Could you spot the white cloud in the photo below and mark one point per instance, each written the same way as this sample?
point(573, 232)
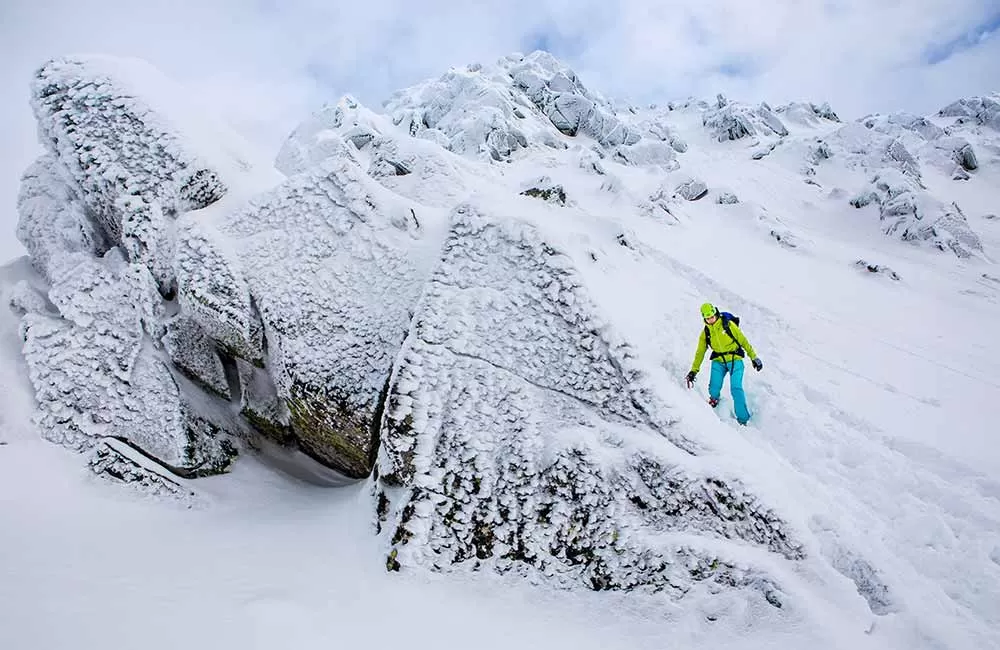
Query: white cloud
point(267, 63)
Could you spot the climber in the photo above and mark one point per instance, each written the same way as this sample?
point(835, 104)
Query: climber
point(729, 346)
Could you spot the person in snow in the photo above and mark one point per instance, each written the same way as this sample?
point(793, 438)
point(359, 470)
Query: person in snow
point(729, 346)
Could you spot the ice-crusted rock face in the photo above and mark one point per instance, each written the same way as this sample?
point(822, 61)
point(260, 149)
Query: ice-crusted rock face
point(132, 172)
point(983, 111)
point(733, 121)
point(910, 213)
point(330, 260)
point(534, 100)
point(418, 169)
point(807, 113)
point(545, 454)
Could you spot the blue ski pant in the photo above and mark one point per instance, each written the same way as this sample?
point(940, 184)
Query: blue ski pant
point(719, 370)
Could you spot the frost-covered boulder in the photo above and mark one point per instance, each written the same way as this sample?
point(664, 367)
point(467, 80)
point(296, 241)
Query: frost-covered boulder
point(53, 224)
point(332, 261)
point(128, 165)
point(870, 148)
point(492, 112)
point(893, 123)
point(726, 198)
point(519, 436)
point(326, 134)
point(807, 113)
point(195, 354)
point(470, 111)
point(417, 168)
point(909, 212)
point(692, 189)
point(96, 373)
point(546, 189)
point(557, 91)
point(984, 111)
point(732, 121)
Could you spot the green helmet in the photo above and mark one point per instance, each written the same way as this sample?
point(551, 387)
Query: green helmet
point(708, 309)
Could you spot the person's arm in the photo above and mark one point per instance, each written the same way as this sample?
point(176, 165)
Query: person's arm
point(699, 356)
point(742, 340)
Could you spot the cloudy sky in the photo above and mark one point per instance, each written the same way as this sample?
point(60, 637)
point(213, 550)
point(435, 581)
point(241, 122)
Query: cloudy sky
point(267, 63)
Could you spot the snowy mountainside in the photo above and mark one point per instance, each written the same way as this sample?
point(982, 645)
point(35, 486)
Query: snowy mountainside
point(481, 304)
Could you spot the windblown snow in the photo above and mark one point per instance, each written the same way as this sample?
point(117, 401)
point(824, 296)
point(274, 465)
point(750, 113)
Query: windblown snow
point(475, 310)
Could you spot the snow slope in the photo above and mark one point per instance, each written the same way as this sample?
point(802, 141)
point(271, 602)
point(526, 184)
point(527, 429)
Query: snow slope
point(870, 442)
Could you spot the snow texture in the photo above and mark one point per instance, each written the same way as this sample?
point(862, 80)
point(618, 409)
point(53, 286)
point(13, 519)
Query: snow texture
point(520, 436)
point(132, 172)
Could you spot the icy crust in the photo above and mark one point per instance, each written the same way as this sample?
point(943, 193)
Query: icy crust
point(517, 437)
point(909, 212)
point(733, 121)
point(132, 172)
point(53, 224)
point(96, 373)
point(329, 259)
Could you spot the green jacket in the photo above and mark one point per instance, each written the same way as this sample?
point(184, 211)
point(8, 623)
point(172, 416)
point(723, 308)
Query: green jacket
point(722, 343)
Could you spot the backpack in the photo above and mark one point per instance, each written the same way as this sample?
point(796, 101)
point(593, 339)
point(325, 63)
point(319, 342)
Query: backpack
point(726, 319)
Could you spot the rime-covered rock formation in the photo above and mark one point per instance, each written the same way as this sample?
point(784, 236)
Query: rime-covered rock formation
point(395, 309)
point(521, 102)
point(545, 454)
point(334, 269)
point(733, 121)
point(910, 213)
point(133, 173)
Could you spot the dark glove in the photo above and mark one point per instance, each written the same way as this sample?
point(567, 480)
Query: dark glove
point(758, 364)
point(690, 378)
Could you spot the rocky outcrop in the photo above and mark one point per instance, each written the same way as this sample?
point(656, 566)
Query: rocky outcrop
point(131, 172)
point(332, 262)
point(907, 211)
point(733, 121)
point(519, 437)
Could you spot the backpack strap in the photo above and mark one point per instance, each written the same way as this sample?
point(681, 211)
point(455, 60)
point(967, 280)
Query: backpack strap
point(739, 352)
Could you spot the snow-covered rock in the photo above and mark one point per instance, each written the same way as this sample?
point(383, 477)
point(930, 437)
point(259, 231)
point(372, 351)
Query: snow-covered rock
point(807, 113)
point(131, 170)
point(329, 258)
point(519, 436)
point(413, 167)
point(733, 121)
point(909, 212)
point(692, 189)
point(492, 112)
point(983, 111)
point(96, 373)
point(546, 189)
point(53, 224)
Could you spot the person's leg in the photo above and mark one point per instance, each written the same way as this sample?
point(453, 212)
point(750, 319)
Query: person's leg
point(739, 397)
point(715, 383)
